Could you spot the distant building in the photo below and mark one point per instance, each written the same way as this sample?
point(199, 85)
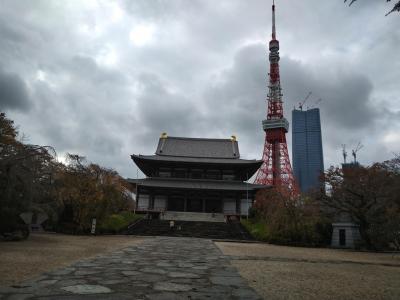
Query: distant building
point(307, 154)
point(346, 233)
point(195, 179)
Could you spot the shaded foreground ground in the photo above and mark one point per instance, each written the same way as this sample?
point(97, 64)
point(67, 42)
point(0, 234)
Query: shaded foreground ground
point(157, 268)
point(122, 267)
point(279, 272)
point(45, 252)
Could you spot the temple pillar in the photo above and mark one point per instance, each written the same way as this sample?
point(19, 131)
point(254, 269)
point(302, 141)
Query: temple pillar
point(151, 200)
point(137, 198)
point(238, 204)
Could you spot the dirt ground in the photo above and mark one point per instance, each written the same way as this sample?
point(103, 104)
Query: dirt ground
point(279, 272)
point(46, 251)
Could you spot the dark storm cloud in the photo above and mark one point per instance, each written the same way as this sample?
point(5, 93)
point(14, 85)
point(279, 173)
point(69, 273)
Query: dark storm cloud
point(345, 94)
point(9, 33)
point(236, 98)
point(13, 93)
point(80, 115)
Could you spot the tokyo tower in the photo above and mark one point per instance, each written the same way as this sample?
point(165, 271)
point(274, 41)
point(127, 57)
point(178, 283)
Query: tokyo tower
point(276, 169)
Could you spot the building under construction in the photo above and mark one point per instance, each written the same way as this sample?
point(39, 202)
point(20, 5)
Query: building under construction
point(307, 152)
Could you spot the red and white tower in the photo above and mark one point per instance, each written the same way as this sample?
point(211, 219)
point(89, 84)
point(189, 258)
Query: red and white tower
point(276, 169)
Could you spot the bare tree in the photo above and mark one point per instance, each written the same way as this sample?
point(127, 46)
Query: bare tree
point(291, 220)
point(396, 7)
point(370, 196)
point(26, 173)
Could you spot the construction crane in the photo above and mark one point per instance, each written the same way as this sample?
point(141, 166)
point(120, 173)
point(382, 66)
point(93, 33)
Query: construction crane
point(344, 152)
point(354, 152)
point(315, 103)
point(301, 104)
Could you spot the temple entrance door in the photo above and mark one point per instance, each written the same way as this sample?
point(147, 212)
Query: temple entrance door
point(342, 237)
point(213, 205)
point(176, 203)
point(194, 205)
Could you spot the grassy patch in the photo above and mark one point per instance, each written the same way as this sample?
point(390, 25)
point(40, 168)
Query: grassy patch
point(257, 228)
point(313, 234)
point(117, 222)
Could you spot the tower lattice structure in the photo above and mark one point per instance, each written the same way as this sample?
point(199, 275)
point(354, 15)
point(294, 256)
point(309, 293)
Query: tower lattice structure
point(276, 169)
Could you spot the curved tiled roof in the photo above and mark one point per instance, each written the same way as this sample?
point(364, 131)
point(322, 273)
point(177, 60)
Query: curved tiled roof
point(197, 152)
point(198, 147)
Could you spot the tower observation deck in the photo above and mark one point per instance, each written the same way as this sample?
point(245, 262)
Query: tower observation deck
point(276, 169)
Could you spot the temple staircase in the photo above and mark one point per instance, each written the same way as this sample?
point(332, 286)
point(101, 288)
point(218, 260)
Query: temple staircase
point(213, 230)
point(192, 216)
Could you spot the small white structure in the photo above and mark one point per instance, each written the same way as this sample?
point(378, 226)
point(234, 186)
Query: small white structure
point(345, 235)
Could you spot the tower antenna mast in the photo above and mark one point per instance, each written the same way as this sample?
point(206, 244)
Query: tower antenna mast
point(273, 21)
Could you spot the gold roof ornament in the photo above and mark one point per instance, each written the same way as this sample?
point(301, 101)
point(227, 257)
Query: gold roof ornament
point(164, 135)
point(233, 138)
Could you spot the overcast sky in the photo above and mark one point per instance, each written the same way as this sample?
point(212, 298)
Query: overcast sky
point(104, 78)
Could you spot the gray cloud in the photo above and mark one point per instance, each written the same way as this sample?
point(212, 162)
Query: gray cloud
point(13, 92)
point(161, 110)
point(84, 87)
point(346, 95)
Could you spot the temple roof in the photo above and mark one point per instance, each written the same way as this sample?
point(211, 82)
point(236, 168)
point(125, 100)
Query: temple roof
point(198, 147)
point(199, 184)
point(149, 163)
point(181, 152)
point(160, 158)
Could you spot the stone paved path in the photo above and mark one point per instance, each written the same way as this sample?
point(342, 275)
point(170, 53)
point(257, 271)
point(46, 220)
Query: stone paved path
point(159, 268)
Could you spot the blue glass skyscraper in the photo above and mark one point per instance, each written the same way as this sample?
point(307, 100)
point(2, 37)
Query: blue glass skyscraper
point(307, 154)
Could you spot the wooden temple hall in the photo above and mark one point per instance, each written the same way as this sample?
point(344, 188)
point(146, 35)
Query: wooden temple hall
point(195, 175)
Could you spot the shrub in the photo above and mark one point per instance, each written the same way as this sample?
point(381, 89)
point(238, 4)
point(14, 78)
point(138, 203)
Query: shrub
point(130, 217)
point(257, 228)
point(116, 223)
point(113, 224)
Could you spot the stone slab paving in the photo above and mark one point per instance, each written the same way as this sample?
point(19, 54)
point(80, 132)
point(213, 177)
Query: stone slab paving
point(159, 268)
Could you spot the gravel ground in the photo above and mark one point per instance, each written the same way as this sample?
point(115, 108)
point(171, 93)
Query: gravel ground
point(279, 272)
point(301, 280)
point(273, 251)
point(45, 252)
